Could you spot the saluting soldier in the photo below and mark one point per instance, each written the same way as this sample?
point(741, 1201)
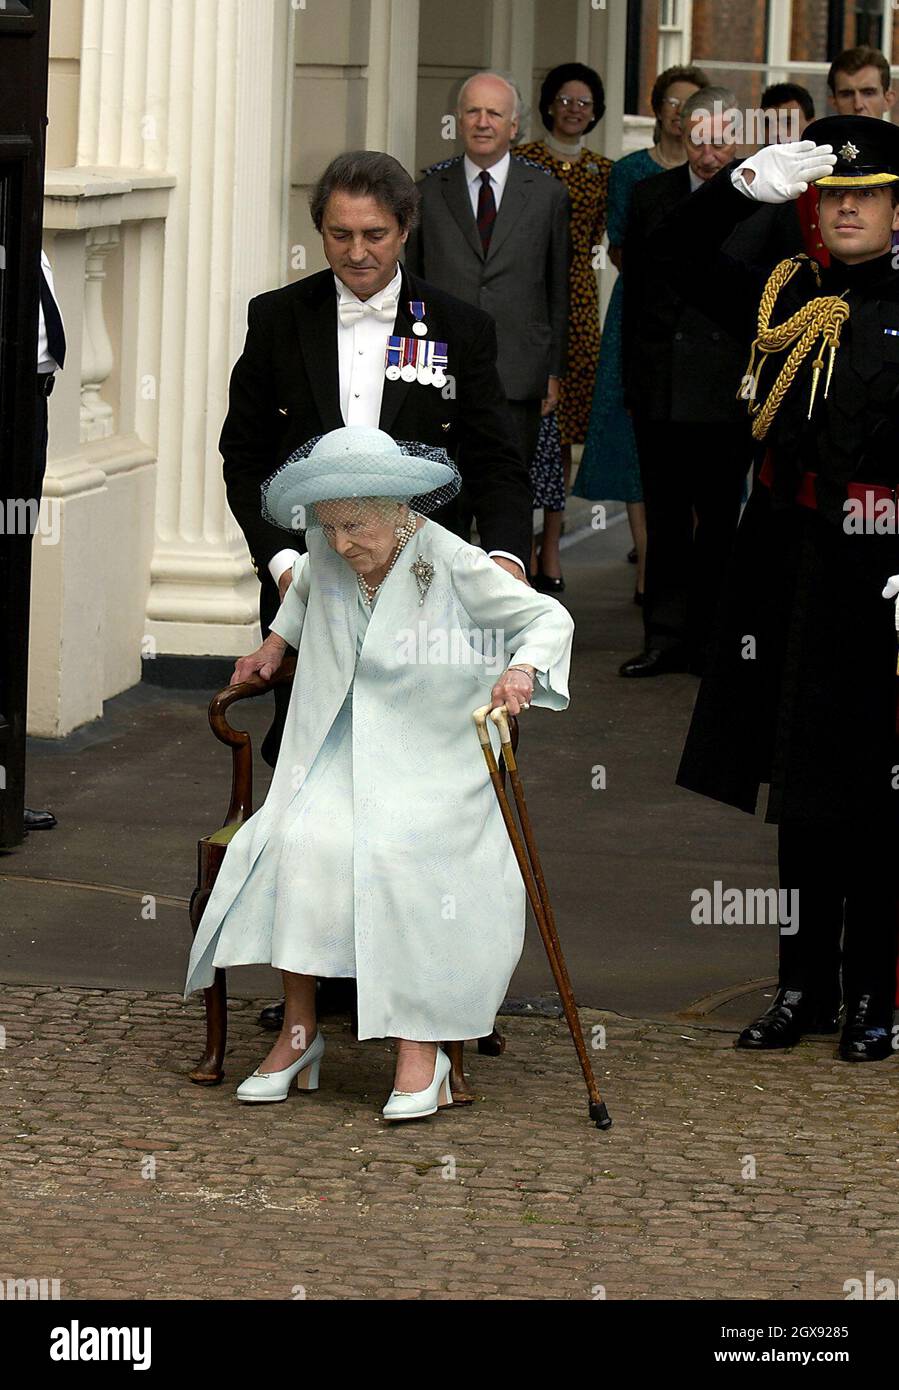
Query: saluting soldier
point(801, 689)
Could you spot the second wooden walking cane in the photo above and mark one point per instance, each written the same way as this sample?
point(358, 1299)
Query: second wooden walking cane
point(535, 886)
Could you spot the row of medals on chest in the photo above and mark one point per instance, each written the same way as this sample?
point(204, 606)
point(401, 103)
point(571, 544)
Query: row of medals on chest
point(416, 359)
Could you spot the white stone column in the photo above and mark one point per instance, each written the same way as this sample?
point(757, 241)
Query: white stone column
point(200, 89)
point(391, 111)
point(602, 44)
point(226, 122)
point(172, 218)
point(512, 41)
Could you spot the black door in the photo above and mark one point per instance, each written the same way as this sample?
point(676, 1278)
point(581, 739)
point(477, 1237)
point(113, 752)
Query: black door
point(24, 38)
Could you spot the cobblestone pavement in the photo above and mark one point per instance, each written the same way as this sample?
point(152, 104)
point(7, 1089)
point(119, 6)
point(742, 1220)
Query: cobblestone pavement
point(123, 1180)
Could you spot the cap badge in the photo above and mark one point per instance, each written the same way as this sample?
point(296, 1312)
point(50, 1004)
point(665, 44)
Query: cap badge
point(849, 151)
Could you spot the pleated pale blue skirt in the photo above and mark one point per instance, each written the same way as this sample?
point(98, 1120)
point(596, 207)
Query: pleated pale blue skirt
point(296, 909)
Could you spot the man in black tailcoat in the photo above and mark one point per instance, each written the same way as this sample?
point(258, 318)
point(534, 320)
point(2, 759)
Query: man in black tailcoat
point(367, 343)
point(801, 688)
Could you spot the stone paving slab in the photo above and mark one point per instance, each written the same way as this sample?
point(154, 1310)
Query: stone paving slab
point(123, 1180)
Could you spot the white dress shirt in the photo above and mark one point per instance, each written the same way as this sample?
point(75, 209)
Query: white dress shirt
point(45, 363)
point(361, 355)
point(361, 358)
point(498, 172)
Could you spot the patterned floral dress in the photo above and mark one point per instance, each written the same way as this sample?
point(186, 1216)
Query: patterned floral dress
point(587, 181)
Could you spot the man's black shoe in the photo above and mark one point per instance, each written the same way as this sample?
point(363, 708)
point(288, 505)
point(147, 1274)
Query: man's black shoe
point(868, 1034)
point(272, 1017)
point(654, 662)
point(337, 996)
point(39, 820)
point(791, 1014)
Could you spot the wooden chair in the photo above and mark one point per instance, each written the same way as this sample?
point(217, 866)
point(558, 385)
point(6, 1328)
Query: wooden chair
point(210, 1070)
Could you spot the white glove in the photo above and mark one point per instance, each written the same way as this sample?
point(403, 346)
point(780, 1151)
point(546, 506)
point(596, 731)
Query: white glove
point(783, 172)
point(890, 590)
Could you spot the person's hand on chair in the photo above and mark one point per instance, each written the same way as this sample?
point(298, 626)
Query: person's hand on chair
point(263, 662)
point(513, 689)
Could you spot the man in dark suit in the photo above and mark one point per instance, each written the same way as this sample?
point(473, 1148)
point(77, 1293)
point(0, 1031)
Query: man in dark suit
point(494, 230)
point(316, 358)
point(682, 377)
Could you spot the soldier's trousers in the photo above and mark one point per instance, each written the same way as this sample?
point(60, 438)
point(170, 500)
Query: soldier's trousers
point(848, 910)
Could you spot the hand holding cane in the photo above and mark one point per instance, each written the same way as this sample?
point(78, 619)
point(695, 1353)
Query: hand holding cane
point(535, 886)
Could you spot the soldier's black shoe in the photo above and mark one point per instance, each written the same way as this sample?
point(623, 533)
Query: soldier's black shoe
point(792, 1013)
point(868, 1034)
point(272, 1017)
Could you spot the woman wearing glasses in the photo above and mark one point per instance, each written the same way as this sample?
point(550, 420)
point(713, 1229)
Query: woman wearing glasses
point(609, 470)
point(571, 103)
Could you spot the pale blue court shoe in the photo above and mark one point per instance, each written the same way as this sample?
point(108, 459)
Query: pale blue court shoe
point(415, 1105)
point(273, 1085)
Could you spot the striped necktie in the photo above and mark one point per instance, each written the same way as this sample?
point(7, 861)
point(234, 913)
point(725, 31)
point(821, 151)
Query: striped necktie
point(486, 210)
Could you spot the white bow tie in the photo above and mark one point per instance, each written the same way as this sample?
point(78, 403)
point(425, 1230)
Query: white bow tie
point(350, 311)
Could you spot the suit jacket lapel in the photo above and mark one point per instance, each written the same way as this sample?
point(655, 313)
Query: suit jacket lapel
point(454, 187)
point(511, 207)
point(316, 318)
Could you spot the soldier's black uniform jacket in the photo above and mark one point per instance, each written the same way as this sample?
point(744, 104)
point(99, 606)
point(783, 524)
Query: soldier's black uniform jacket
point(801, 689)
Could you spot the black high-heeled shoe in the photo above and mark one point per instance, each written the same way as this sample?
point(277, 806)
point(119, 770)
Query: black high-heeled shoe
point(545, 584)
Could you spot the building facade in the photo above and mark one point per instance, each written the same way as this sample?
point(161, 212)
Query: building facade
point(183, 138)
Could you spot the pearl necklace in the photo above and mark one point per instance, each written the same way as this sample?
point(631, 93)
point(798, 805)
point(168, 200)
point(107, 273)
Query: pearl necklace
point(405, 534)
point(666, 163)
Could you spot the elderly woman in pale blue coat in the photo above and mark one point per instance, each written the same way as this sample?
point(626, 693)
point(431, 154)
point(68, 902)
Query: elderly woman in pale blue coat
point(380, 852)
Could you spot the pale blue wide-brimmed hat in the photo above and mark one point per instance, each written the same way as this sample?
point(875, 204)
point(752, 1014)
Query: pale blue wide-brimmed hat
point(357, 461)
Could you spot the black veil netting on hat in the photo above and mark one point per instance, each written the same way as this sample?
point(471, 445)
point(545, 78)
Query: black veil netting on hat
point(303, 518)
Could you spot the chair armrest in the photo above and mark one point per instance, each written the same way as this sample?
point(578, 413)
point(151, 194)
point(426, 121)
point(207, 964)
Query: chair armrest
point(239, 741)
point(246, 690)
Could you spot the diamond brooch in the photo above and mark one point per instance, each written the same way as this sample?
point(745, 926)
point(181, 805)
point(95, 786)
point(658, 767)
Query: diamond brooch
point(424, 573)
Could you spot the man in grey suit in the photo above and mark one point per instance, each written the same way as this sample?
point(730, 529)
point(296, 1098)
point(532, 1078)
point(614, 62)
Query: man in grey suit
point(494, 232)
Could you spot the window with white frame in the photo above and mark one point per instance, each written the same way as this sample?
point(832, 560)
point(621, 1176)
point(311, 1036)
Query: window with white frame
point(674, 32)
point(749, 47)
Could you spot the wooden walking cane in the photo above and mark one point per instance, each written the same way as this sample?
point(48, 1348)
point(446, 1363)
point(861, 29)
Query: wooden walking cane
point(535, 887)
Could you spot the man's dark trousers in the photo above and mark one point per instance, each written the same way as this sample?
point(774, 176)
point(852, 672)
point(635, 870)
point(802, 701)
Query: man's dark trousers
point(687, 467)
point(526, 419)
point(845, 883)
